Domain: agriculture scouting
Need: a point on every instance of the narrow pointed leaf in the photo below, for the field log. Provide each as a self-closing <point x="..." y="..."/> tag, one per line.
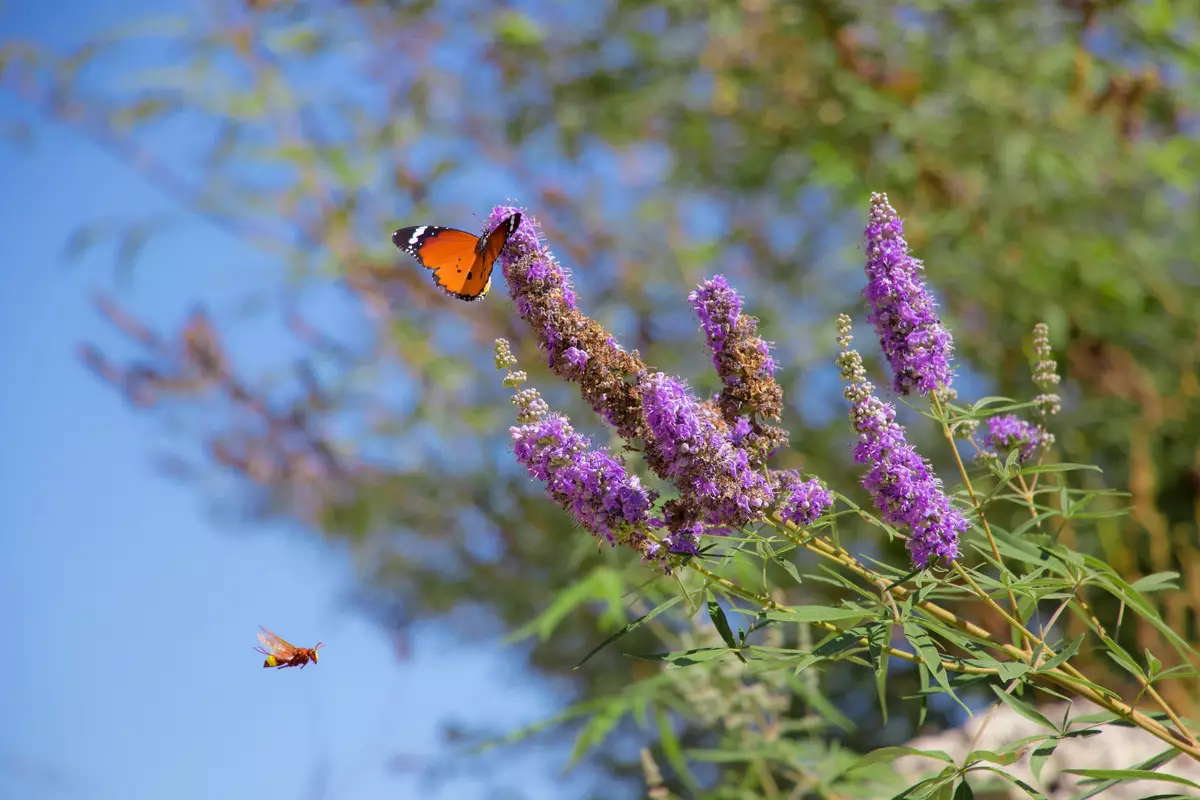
<point x="1024" y="709"/>
<point x="632" y="626"/>
<point x="719" y="621"/>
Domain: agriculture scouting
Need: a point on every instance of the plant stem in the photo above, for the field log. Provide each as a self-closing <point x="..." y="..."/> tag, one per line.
<point x="987" y="529"/>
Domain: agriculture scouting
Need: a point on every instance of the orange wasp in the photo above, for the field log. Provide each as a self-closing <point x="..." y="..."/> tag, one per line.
<point x="280" y="654"/>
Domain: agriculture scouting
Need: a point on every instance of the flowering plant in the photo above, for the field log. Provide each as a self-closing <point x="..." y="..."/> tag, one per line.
<point x="723" y="515"/>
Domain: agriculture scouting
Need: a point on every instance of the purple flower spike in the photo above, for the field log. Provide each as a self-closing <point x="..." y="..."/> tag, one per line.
<point x="903" y="311"/>
<point x="719" y="307"/>
<point x="1010" y="431"/>
<point x="743" y="360"/>
<point x="591" y="484"/>
<point x="803" y="502"/>
<point x="577" y="347"/>
<point x="901" y="483"/>
<point x="687" y="445"/>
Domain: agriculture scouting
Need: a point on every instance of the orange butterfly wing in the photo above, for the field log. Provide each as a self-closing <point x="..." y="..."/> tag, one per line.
<point x="491" y="249"/>
<point x="461" y="262"/>
<point x="274" y="645"/>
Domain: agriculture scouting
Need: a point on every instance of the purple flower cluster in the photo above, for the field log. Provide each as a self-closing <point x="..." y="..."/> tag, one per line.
<point x="684" y="540"/>
<point x="577" y="348"/>
<point x="687" y="445"/>
<point x="901" y="482"/>
<point x="803" y="502"/>
<point x="713" y="452"/>
<point x="727" y="332"/>
<point x="903" y="311"/>
<point x="744" y="363"/>
<point x="543" y="272"/>
<point x="1010" y="431"/>
<point x="591" y="484"/>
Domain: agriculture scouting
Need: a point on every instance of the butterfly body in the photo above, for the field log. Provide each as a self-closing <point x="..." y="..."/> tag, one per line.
<point x="280" y="654"/>
<point x="461" y="262"/>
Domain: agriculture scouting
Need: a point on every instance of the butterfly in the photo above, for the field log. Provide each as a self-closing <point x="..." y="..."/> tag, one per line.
<point x="280" y="654"/>
<point x="461" y="262"/>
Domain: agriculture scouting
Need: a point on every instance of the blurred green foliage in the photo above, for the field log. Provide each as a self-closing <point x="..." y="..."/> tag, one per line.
<point x="1044" y="155"/>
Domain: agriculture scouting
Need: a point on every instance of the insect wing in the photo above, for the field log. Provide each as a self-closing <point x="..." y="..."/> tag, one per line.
<point x="448" y="252"/>
<point x="461" y="262"/>
<point x="491" y="249"/>
<point x="499" y="237"/>
<point x="274" y="645"/>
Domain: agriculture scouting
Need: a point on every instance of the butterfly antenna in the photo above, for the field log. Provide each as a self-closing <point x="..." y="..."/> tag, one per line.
<point x="483" y="223"/>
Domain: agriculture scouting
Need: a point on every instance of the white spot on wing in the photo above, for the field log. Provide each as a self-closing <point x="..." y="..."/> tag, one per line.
<point x="417" y="234"/>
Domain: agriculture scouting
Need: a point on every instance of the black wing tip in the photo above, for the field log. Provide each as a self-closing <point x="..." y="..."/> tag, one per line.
<point x="509" y="223"/>
<point x="466" y="298"/>
<point x="400" y="237"/>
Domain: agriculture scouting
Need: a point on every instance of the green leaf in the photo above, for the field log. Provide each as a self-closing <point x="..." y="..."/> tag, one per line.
<point x="596" y="730"/>
<point x="1154" y="762"/>
<point x="1118" y="654"/>
<point x="671" y="748"/>
<point x="877" y="644"/>
<point x="683" y="658"/>
<point x="632" y="626"/>
<point x="820" y="614"/>
<point x="1010" y="463"/>
<point x="1132" y="775"/>
<point x="1024" y="709"/>
<point x="1003" y="759"/>
<point x="1031" y="523"/>
<point x="1014" y="549"/>
<point x="1039" y="757"/>
<point x="1157" y="582"/>
<point x="963" y="792"/>
<point x="883" y="755"/>
<point x="783" y="563"/>
<point x="1025" y="787"/>
<point x="931" y="658"/>
<point x="954" y="635"/>
<point x="634" y="695"/>
<point x="1063" y="655"/>
<point x="1059" y="467"/>
<point x="833" y="645"/>
<point x="1153" y="665"/>
<point x="717" y="615"/>
<point x="984" y="407"/>
<point x="1135" y="600"/>
<point x="937" y="787"/>
<point x="601" y="583"/>
<point x="1179" y="671"/>
<point x="1010" y="670"/>
<point x="730" y="756"/>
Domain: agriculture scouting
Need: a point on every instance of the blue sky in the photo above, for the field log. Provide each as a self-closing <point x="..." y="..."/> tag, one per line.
<point x="130" y="607"/>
